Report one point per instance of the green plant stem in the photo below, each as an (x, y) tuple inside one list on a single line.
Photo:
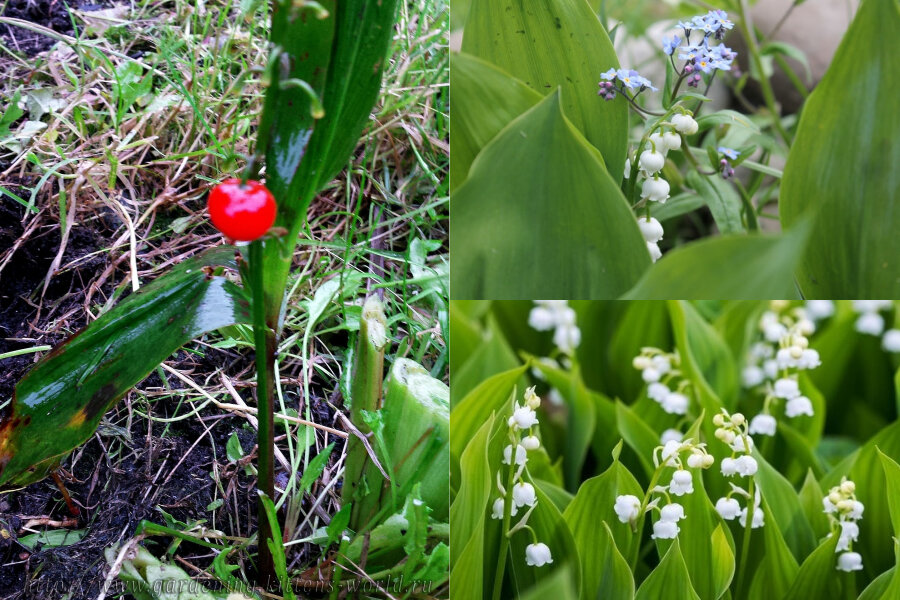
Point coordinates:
[(264, 341), (507, 518), (764, 83), (745, 545)]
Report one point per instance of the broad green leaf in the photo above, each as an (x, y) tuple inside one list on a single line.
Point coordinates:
[(726, 117), (786, 509), (470, 413), (817, 577), (892, 479), (586, 410), (778, 568), (638, 435), (519, 196), (591, 518), (669, 579), (485, 100), (549, 44), (704, 353), (53, 538), (559, 585), (492, 356), (643, 324), (842, 167), (728, 267), (468, 513), (11, 114), (362, 36), (881, 586), (722, 199), (811, 495), (466, 335), (550, 528), (59, 403)]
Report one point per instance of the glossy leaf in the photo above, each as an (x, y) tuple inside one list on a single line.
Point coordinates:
[(778, 568), (521, 196), (590, 517), (59, 403), (485, 99), (727, 267), (468, 513), (470, 413), (784, 503), (843, 165), (550, 44), (669, 579), (817, 577), (722, 200)]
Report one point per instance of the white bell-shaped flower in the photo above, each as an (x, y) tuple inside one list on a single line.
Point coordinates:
[(671, 435), (655, 189), (787, 387), (729, 508), (523, 417), (651, 229), (685, 124), (658, 391), (524, 494), (497, 509), (665, 530), (652, 161), (746, 465), (654, 250), (542, 318), (627, 507), (763, 424), (758, 518), (801, 405), (658, 142), (809, 359), (521, 455), (849, 533), (752, 376), (728, 466), (850, 561), (891, 341), (670, 452), (738, 444), (675, 403), (537, 555), (819, 309), (673, 512), (567, 338), (870, 323), (531, 442), (682, 483)]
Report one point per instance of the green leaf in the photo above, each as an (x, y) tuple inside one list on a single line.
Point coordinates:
[(551, 44), (130, 85), (722, 199), (727, 267), (60, 402), (638, 435), (492, 356), (470, 413), (590, 517), (892, 479), (843, 163), (315, 468), (233, 449), (817, 577), (54, 538), (468, 513), (363, 32), (553, 187), (669, 579), (12, 114), (726, 117), (485, 99), (778, 568), (786, 509)]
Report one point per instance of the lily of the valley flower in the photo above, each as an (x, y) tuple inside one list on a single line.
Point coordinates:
[(627, 508), (537, 555), (729, 508), (682, 483), (524, 494), (850, 561), (763, 424)]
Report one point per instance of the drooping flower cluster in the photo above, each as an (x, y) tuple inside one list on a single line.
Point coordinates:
[(734, 431), (844, 510), (560, 317), (665, 384), (521, 495), (775, 363), (682, 455), (871, 322), (702, 56)]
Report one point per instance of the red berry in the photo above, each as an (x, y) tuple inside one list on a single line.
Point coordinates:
[(242, 212)]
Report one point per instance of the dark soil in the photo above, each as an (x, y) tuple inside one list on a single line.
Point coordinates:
[(53, 14)]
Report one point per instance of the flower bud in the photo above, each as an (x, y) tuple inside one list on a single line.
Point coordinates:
[(685, 124), (641, 362), (848, 487), (737, 419), (718, 421)]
